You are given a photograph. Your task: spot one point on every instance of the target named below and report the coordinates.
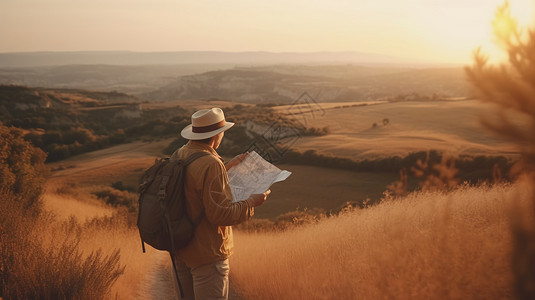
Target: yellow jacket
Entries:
(207, 189)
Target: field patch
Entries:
(398, 128)
(118, 163)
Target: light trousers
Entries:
(210, 281)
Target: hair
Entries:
(206, 141)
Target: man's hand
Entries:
(236, 160)
(259, 199)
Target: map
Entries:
(254, 175)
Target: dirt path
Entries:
(160, 282)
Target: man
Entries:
(203, 264)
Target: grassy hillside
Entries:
(454, 245)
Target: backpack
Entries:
(162, 220)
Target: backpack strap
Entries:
(176, 274)
(188, 161)
(163, 187)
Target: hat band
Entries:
(203, 129)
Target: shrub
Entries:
(57, 152)
(300, 217)
(40, 257)
(119, 185)
(118, 198)
(22, 169)
(80, 135)
(255, 225)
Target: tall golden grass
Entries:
(427, 245)
(106, 229)
(40, 258)
(65, 206)
(109, 233)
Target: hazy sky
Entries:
(432, 30)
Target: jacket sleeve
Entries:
(217, 198)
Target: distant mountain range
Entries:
(284, 83)
(280, 83)
(127, 79)
(254, 77)
(39, 59)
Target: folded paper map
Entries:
(254, 175)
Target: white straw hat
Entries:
(206, 123)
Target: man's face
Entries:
(218, 139)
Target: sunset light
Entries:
(504, 25)
(267, 149)
(414, 30)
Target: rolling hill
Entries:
(280, 83)
(14, 97)
(284, 83)
(359, 131)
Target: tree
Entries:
(22, 168)
(510, 87)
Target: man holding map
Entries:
(203, 265)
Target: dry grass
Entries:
(66, 206)
(433, 245)
(40, 257)
(113, 234)
(104, 228)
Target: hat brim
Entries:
(187, 133)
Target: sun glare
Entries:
(504, 25)
(511, 21)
